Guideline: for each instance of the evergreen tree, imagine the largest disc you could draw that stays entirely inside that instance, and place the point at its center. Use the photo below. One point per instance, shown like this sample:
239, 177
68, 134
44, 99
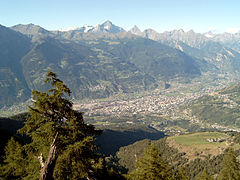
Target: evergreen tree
151, 166
15, 160
181, 174
204, 176
62, 145
230, 167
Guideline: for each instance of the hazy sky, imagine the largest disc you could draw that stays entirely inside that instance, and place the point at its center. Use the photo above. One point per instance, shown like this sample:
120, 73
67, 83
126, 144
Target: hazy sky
161, 15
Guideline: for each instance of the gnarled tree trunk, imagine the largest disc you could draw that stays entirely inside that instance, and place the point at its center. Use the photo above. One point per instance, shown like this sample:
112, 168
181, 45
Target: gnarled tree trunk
48, 168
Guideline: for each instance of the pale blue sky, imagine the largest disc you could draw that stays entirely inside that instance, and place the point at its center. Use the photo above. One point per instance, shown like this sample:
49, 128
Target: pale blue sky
161, 15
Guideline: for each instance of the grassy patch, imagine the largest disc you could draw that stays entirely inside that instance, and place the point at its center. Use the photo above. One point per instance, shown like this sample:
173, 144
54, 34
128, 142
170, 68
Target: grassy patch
197, 145
198, 138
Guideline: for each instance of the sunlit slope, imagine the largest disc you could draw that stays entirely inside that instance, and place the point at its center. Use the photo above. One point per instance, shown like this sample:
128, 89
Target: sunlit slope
222, 108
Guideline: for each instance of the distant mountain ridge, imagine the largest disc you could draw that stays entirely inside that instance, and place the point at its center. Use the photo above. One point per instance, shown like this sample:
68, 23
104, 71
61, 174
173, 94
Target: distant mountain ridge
200, 46
95, 64
100, 61
29, 29
106, 27
227, 39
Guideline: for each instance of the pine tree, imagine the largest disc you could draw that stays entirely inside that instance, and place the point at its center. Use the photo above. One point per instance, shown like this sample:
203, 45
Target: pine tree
14, 161
181, 174
204, 176
230, 167
62, 145
151, 166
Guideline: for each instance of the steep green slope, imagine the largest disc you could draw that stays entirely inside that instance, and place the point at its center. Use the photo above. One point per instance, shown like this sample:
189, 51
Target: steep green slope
149, 56
89, 72
156, 59
14, 46
222, 107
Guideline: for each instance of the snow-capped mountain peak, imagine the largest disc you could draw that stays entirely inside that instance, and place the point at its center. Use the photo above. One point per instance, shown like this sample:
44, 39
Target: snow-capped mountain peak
209, 34
85, 28
107, 26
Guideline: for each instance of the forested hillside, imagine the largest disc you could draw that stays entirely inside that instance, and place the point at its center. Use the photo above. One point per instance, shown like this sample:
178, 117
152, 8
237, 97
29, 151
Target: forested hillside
221, 107
185, 154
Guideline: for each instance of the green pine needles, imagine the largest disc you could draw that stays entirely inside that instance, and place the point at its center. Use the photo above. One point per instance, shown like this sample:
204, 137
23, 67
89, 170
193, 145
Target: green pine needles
151, 166
62, 145
230, 169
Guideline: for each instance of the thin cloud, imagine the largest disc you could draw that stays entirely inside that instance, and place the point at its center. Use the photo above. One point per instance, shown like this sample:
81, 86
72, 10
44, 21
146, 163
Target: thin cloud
213, 30
233, 30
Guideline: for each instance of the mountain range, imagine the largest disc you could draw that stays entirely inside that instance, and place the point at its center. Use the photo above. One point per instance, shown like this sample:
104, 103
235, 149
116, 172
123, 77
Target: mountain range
215, 49
100, 61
